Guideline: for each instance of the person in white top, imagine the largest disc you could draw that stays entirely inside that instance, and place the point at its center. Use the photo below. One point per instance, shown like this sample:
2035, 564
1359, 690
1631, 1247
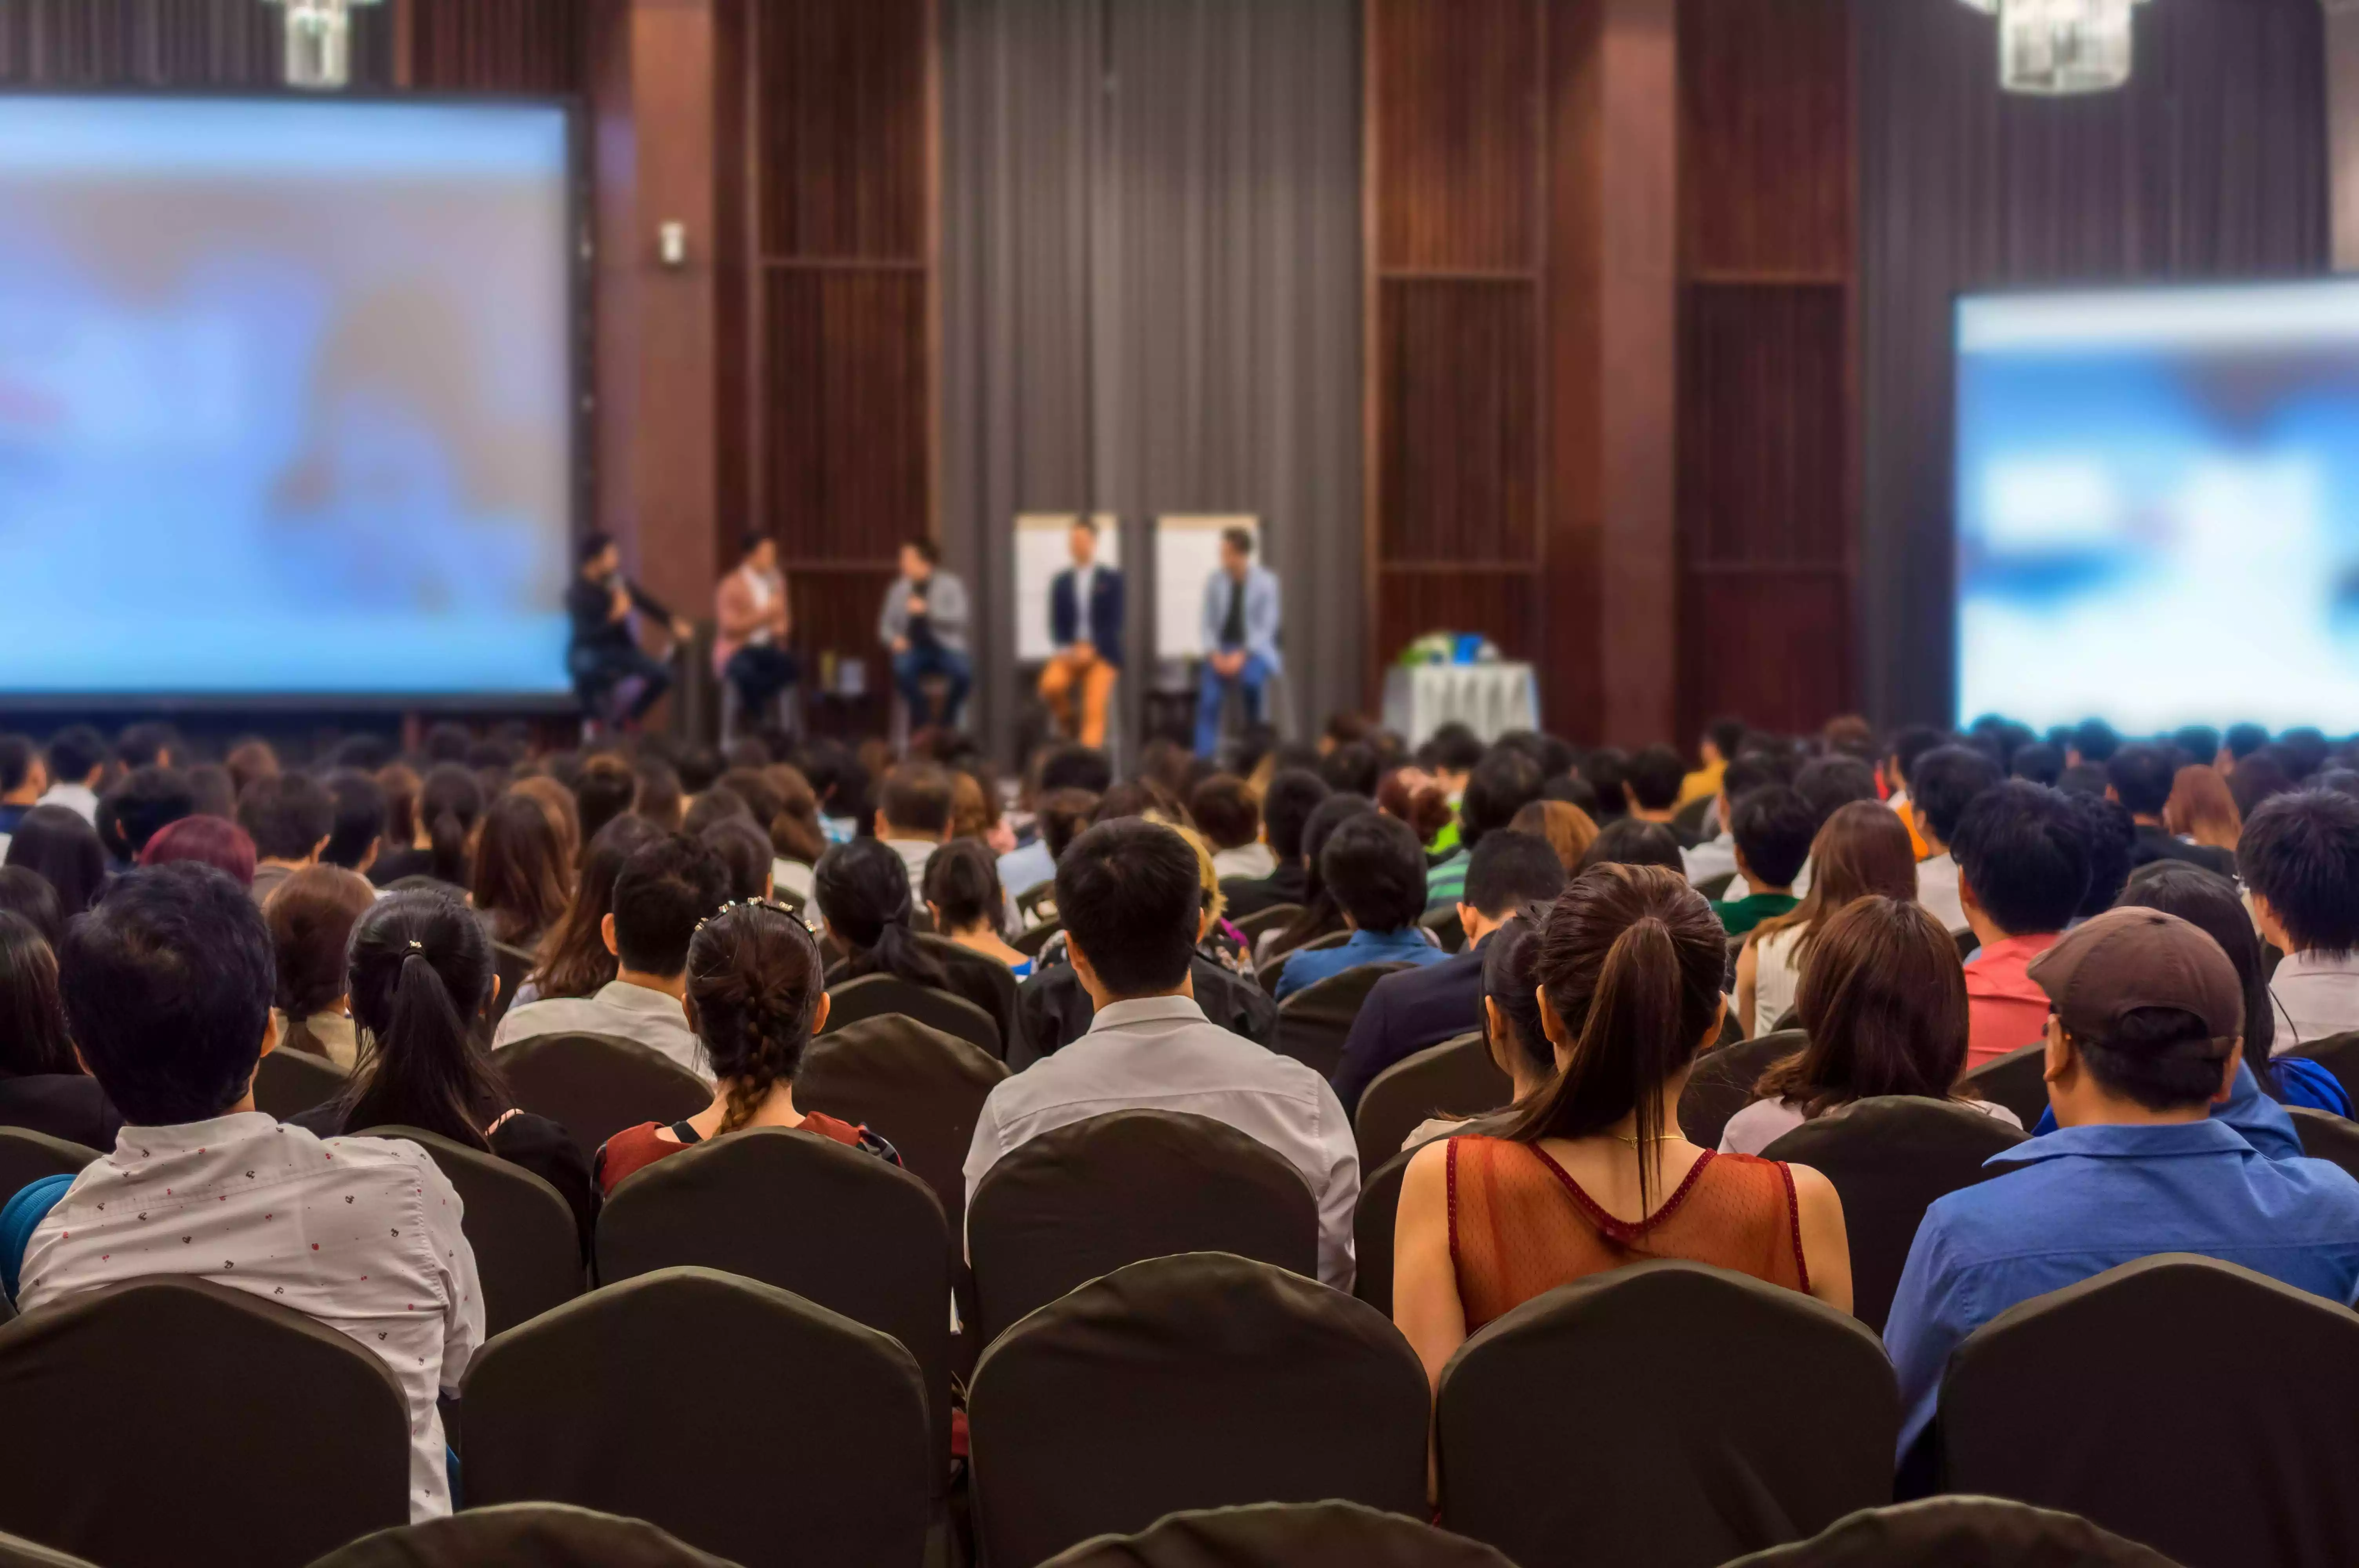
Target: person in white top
1861, 852
663, 892
1946, 781
166, 985
1129, 892
1884, 1002
2300, 856
76, 761
750, 611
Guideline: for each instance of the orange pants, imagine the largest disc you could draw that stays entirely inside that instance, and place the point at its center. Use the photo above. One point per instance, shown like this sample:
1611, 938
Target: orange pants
1095, 677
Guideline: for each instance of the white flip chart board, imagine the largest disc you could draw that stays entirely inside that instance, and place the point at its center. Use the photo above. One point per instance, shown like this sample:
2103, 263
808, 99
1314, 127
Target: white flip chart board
1042, 550
1187, 553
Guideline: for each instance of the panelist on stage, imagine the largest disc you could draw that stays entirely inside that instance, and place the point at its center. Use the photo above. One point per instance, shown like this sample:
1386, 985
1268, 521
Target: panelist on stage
1241, 619
1085, 623
603, 653
750, 653
924, 624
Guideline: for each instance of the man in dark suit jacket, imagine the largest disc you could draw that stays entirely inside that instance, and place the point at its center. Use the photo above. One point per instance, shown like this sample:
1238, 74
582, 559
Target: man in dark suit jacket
2141, 777
1409, 1012
1085, 622
1286, 807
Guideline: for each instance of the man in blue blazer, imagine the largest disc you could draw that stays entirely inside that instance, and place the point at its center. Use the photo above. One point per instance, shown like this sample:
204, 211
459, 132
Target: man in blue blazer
1085, 612
1241, 619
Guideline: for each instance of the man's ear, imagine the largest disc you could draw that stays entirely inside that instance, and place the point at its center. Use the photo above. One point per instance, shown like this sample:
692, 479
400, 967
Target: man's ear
2228, 1075
320, 847
2063, 1061
1084, 969
1966, 891
606, 935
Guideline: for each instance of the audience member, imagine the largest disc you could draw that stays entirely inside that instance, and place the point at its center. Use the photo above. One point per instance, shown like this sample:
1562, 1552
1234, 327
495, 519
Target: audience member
1830, 784
2240, 742
290, 818
1375, 868
1356, 769
24, 779
1722, 741
864, 899
963, 894
142, 804
1451, 754
26, 894
1773, 828
555, 799
59, 843
77, 763
1606, 772
1861, 852
1502, 784
2039, 763
2111, 838
216, 795
2093, 743
913, 815
2304, 752
209, 840
1229, 817
1509, 1007
712, 807
1030, 871
310, 918
662, 798
168, 988
2142, 1042
2023, 871
1655, 777
1630, 840
1716, 858
1593, 1173
1900, 772
1567, 829
42, 1087
358, 836
250, 761
1321, 915
2258, 779
2142, 778
1411, 794
1947, 780
744, 853
2301, 863
523, 874
606, 788
1131, 896
2202, 810
574, 959
1286, 808
796, 839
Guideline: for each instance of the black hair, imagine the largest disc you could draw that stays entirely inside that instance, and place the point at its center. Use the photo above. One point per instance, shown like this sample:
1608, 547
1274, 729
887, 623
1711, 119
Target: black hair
1830, 784
751, 541
593, 544
145, 744
962, 883
2083, 779
2208, 901
420, 973
698, 767
1509, 869
287, 816
928, 551
449, 742
2112, 838
1606, 770
755, 982
1453, 747
1944, 781
1226, 811
56, 841
365, 753
1375, 868
76, 753
2162, 1057
1511, 979
16, 755
1627, 841
917, 797
2243, 740
2305, 752
1728, 736
449, 803
1773, 829
2141, 777
1502, 784
744, 853
1131, 894
2300, 852
1354, 769
360, 812
761, 797
32, 1019
1241, 540
863, 892
1286, 807
660, 893
1321, 913
166, 985
1655, 776
1076, 767
574, 961
148, 800
2024, 851
714, 806
605, 788
2097, 741
2200, 741
25, 892
2039, 763
1911, 744
1753, 769
1572, 790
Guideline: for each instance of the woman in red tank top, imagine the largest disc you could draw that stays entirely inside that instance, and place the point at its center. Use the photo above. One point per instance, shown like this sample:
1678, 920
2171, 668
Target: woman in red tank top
1592, 1173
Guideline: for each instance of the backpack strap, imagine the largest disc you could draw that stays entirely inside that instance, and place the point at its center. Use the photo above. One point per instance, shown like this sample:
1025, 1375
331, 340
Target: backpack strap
19, 1219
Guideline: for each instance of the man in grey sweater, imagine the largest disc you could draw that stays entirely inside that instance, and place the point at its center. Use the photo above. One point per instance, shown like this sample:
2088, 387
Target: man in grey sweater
924, 622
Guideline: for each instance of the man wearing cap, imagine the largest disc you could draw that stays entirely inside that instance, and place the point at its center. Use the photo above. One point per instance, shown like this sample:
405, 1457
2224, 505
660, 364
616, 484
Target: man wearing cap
2142, 1040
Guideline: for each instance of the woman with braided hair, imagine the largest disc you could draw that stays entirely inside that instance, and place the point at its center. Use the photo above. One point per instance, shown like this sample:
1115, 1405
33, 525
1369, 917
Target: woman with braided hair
756, 995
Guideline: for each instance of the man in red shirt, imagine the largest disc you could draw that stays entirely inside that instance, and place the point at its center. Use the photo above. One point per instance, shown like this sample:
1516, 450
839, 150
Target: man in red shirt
2023, 870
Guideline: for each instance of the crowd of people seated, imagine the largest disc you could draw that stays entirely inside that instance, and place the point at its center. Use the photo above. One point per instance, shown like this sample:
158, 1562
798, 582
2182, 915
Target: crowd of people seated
2164, 930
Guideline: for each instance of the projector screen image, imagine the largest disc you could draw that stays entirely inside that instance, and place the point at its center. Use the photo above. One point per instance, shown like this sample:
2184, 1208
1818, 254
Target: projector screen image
2159, 506
286, 395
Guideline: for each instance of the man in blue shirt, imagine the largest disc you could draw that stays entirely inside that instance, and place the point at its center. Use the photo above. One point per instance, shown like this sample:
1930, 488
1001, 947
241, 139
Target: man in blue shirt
1375, 868
1241, 616
2142, 1042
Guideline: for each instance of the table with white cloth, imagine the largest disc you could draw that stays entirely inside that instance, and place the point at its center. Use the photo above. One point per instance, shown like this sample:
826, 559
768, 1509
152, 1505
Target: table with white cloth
1490, 699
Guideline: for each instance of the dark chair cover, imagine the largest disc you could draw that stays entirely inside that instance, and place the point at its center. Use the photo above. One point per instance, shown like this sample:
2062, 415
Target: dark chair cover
1968, 945
19, 1553
541, 1535
1668, 1413
2338, 1055
527, 1251
1272, 971
1029, 899
1890, 1158
1031, 941
27, 1157
873, 996
2057, 1402
2325, 1136
1277, 917
1085, 1199
1313, 1023
1722, 1083
920, 1089
743, 1419
1189, 1382
2017, 1080
513, 966
1456, 1078
595, 1086
842, 1229
1284, 1535
1447, 928
1960, 1532
1716, 888
976, 976
173, 1422
1688, 821
1057, 1010
1372, 1222
291, 1082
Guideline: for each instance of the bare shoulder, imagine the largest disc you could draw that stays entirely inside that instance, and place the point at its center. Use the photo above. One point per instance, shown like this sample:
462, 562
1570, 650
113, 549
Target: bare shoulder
1813, 1193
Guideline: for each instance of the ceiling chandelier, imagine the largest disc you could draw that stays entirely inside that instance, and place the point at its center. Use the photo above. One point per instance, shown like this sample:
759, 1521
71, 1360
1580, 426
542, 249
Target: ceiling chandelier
319, 42
2061, 46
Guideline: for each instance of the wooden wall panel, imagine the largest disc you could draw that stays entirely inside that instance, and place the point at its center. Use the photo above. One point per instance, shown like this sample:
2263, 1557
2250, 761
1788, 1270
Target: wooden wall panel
842, 86
1455, 133
1764, 102
1761, 421
1501, 603
495, 46
1461, 396
845, 413
1774, 644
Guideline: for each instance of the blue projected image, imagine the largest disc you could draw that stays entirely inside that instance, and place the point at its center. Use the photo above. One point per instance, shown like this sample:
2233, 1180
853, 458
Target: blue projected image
2159, 506
286, 395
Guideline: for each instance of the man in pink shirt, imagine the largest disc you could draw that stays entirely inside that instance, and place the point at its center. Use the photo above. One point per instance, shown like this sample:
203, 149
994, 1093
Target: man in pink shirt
2023, 870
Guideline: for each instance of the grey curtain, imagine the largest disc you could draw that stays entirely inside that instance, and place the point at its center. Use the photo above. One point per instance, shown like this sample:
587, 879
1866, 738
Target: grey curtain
2211, 163
1152, 302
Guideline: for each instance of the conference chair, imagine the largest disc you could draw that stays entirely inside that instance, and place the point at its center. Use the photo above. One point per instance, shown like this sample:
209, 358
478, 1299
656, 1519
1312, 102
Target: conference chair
544, 1535
1688, 821
1723, 1082
1189, 1382
1271, 971
17, 1552
1057, 1010
873, 996
1085, 1199
1454, 1078
2017, 1080
743, 1419
1960, 1532
1667, 1414
981, 976
1374, 1218
2325, 1136
1029, 901
27, 1156
172, 1421
512, 966
1284, 1535
1031, 942
1728, 969
1314, 1022
290, 1082
843, 1229
1277, 917
528, 1249
1447, 928
1715, 889
595, 1086
1890, 1158
2338, 1055
920, 1089
2268, 1432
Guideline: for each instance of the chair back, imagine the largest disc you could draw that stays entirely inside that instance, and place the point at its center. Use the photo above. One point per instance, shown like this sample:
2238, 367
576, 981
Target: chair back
546, 1535
1447, 928
1277, 917
978, 976
290, 1082
2325, 1136
1890, 1158
922, 1090
595, 1086
2338, 1055
1968, 945
1284, 1535
1688, 821
1313, 1023
1028, 902
1722, 1083
527, 1250
2017, 1080
873, 996
1372, 1220
1456, 1078
244, 1431
1960, 1532
27, 1156
1274, 970
1087, 1198
17, 1552
842, 1229
1715, 889
1189, 1382
1783, 1414
1034, 938
2270, 1434
747, 1421
513, 966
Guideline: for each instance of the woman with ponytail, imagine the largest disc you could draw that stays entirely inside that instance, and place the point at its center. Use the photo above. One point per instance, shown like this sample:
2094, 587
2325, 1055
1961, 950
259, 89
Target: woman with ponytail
450, 806
756, 998
1592, 1173
862, 892
420, 975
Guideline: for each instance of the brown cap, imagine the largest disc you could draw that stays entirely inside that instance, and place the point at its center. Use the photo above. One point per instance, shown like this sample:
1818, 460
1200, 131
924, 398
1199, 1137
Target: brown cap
2128, 958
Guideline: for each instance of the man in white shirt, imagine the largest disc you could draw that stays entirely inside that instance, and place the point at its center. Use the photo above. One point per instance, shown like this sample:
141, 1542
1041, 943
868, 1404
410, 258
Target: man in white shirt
77, 763
1947, 780
1129, 894
168, 984
2300, 856
662, 895
913, 815
1716, 857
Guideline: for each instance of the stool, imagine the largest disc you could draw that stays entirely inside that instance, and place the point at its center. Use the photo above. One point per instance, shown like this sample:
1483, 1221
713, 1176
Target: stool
788, 712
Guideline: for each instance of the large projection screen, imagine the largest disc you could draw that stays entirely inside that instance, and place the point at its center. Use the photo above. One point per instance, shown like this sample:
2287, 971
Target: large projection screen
287, 394
2159, 506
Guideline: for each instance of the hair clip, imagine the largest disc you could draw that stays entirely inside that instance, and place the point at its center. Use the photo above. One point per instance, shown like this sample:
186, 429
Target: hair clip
415, 946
